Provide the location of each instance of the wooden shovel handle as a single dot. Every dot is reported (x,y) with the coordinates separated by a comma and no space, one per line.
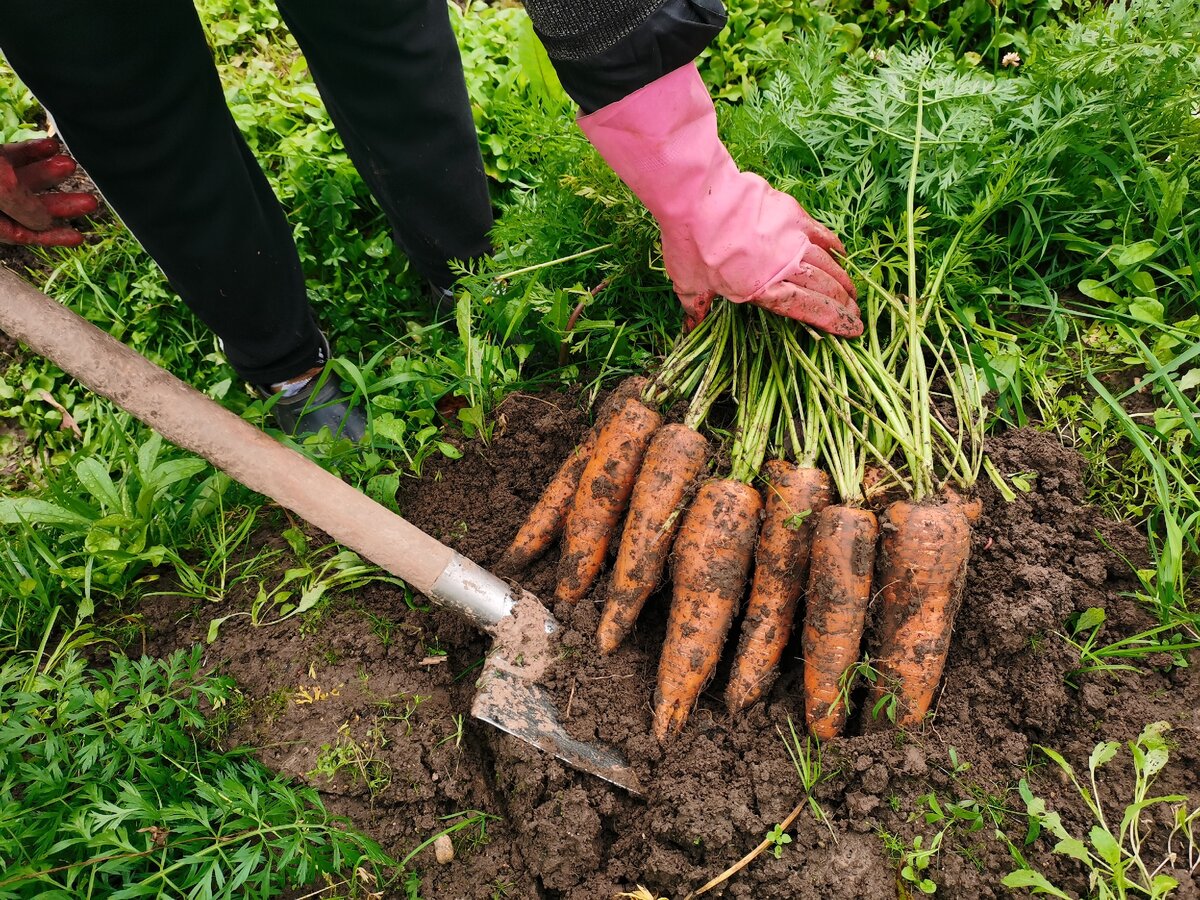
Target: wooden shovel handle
(192,421)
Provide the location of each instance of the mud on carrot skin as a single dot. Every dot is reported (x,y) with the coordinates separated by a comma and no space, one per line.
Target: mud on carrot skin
(711,561)
(603,494)
(676,457)
(795,497)
(921,572)
(839,590)
(715,547)
(674,460)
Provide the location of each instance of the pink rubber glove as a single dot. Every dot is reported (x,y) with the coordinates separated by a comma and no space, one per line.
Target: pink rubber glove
(723,231)
(27,213)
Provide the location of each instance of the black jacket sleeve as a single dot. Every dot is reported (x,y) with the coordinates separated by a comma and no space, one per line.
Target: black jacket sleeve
(603,54)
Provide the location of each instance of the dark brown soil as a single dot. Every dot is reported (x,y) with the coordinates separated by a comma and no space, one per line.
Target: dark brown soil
(714,793)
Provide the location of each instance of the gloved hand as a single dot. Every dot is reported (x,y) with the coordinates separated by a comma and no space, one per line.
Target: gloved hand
(26,170)
(723,231)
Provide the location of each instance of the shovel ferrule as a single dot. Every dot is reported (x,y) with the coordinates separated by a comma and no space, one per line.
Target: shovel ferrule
(473,592)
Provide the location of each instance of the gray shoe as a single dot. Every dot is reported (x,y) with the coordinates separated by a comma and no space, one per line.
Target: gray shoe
(318,404)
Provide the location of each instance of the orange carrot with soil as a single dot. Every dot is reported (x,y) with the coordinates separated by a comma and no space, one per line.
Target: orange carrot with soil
(602,496)
(926,545)
(676,457)
(544,523)
(712,558)
(839,589)
(795,496)
(840,564)
(922,570)
(673,462)
(796,493)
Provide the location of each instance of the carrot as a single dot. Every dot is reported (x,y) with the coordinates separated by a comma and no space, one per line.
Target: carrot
(603,494)
(839,588)
(712,559)
(675,458)
(795,496)
(922,570)
(545,521)
(972,508)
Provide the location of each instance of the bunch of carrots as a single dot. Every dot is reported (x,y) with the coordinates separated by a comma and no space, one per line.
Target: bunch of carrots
(861,499)
(798,524)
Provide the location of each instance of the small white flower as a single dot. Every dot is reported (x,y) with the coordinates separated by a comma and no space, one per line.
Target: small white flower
(1011,60)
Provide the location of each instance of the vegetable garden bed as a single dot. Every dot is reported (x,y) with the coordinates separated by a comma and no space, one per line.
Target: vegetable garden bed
(370,704)
(1051,213)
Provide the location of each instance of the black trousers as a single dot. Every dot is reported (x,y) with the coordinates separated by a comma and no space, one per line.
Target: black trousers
(135,95)
(133,90)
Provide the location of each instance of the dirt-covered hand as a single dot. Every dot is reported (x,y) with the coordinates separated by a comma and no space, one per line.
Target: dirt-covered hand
(724,232)
(27,214)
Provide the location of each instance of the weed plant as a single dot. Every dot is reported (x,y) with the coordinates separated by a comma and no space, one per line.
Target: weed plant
(1129,856)
(107,789)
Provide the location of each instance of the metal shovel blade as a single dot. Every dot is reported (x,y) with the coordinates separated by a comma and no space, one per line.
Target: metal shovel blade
(519,706)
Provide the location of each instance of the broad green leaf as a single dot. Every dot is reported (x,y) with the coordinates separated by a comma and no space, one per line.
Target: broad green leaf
(1089,618)
(94,477)
(1106,845)
(345,559)
(37,512)
(1136,253)
(296,540)
(1148,310)
(310,597)
(1153,734)
(1074,848)
(1167,420)
(148,455)
(1102,753)
(173,470)
(215,625)
(389,428)
(1144,282)
(1162,884)
(536,66)
(382,489)
(100,541)
(1035,881)
(1156,759)
(1097,291)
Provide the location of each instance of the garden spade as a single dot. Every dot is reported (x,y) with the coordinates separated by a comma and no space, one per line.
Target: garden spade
(509,695)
